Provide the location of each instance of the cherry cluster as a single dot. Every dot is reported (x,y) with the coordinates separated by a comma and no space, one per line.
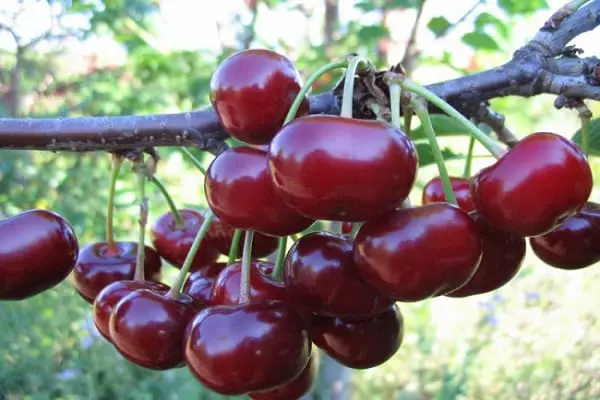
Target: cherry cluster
(249,325)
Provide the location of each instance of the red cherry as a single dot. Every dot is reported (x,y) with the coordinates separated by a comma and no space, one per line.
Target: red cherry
(360,344)
(240,191)
(247,347)
(200,283)
(99,265)
(148,328)
(39,250)
(347,228)
(433,192)
(416,253)
(220,235)
(333,168)
(296,388)
(173,241)
(534,187)
(573,245)
(320,274)
(252,91)
(503,254)
(110,296)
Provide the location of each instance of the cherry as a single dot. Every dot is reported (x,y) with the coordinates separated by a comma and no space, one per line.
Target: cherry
(334,168)
(320,274)
(247,347)
(360,344)
(38,250)
(415,253)
(433,192)
(252,91)
(200,283)
(503,254)
(534,187)
(110,296)
(99,265)
(347,228)
(296,388)
(173,241)
(240,191)
(220,235)
(148,328)
(575,244)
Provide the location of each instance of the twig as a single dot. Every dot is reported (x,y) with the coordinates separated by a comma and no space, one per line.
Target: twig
(495,121)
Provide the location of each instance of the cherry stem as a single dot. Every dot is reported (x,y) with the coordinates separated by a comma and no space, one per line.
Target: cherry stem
(169,199)
(395,93)
(423,114)
(294,237)
(117,161)
(175,290)
(143,220)
(278,270)
(235,245)
(246,267)
(193,159)
(348,94)
(408,114)
(585,132)
(355,229)
(469,159)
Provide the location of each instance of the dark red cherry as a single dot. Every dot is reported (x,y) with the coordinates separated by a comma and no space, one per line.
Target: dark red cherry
(573,245)
(296,388)
(320,274)
(433,192)
(360,344)
(415,253)
(347,228)
(252,91)
(221,235)
(334,168)
(38,250)
(200,283)
(247,347)
(148,328)
(99,265)
(240,191)
(110,296)
(503,254)
(533,188)
(173,241)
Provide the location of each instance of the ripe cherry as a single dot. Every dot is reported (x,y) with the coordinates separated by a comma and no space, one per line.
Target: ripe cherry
(252,91)
(415,253)
(334,168)
(200,283)
(503,254)
(240,191)
(360,344)
(39,250)
(100,264)
(220,235)
(320,274)
(533,188)
(148,328)
(247,347)
(173,241)
(433,192)
(347,227)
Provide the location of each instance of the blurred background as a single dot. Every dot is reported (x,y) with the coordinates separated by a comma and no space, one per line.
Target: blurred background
(536,338)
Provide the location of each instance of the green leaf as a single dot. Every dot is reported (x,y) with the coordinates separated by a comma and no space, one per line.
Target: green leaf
(486,19)
(426,154)
(480,40)
(513,7)
(594,137)
(371,33)
(438,25)
(443,125)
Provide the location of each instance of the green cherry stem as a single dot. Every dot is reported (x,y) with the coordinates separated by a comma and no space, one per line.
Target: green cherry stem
(348,94)
(355,229)
(117,161)
(235,245)
(395,93)
(163,190)
(278,269)
(423,114)
(246,267)
(175,290)
(585,116)
(193,159)
(143,220)
(469,159)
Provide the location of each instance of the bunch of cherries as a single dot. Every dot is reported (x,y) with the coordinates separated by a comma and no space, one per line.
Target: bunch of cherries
(248,326)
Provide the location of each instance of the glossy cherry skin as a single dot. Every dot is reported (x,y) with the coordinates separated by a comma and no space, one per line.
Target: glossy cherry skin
(415,253)
(38,250)
(99,265)
(200,283)
(334,168)
(252,91)
(109,297)
(173,241)
(247,347)
(148,328)
(573,245)
(433,192)
(296,388)
(503,254)
(319,272)
(360,344)
(240,191)
(533,188)
(220,235)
